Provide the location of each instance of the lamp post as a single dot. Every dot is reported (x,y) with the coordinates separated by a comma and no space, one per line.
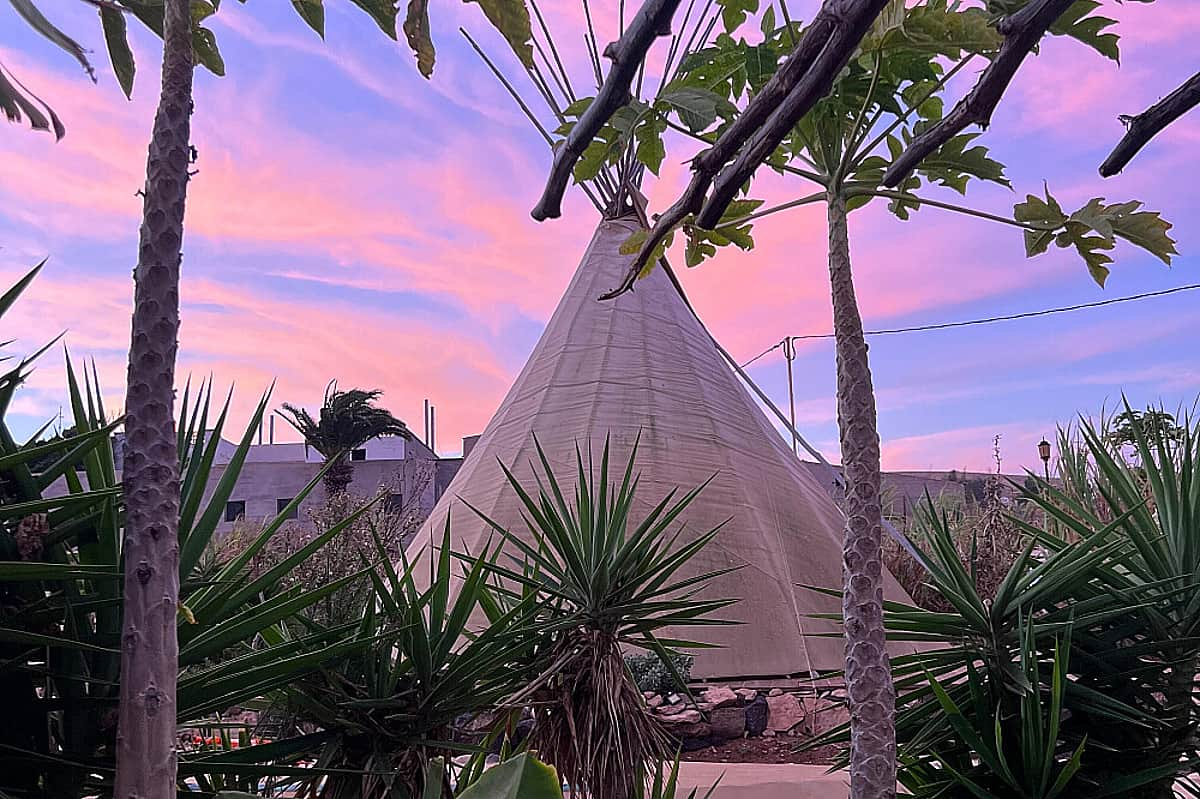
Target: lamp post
(1044,454)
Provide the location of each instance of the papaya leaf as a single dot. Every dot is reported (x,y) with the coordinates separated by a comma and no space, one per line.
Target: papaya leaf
(313,14)
(511,19)
(650,149)
(416,30)
(383,12)
(36,20)
(735,12)
(116,38)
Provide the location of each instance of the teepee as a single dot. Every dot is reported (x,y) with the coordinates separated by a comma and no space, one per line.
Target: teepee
(643,365)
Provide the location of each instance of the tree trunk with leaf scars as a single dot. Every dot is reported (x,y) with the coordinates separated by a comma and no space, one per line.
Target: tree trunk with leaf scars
(869,684)
(146,734)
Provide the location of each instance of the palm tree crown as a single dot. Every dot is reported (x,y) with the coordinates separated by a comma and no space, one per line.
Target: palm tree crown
(347,420)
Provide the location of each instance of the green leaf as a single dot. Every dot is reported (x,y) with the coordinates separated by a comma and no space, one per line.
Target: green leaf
(1145,229)
(576,109)
(1042,212)
(634,243)
(954,165)
(36,20)
(767,23)
(698,108)
(313,14)
(204,45)
(592,161)
(650,149)
(1093,230)
(520,777)
(1089,30)
(511,19)
(116,37)
(734,12)
(698,249)
(383,12)
(761,63)
(416,30)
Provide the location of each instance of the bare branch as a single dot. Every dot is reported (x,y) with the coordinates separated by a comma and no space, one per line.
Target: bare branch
(843,25)
(815,52)
(1022,31)
(627,53)
(1148,124)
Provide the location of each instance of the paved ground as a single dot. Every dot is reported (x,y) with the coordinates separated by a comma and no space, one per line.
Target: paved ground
(762,781)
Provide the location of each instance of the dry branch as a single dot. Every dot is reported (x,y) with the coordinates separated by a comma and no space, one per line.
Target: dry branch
(1148,124)
(1022,31)
(627,54)
(847,23)
(830,30)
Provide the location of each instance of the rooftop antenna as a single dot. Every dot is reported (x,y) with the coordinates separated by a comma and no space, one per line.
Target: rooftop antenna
(272,438)
(426,439)
(432,432)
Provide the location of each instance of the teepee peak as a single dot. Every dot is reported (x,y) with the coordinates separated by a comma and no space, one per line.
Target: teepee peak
(643,365)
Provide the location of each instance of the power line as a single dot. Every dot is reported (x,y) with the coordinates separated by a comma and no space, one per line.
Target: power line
(986,320)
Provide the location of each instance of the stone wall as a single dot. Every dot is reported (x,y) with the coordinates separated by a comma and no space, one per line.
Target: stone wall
(721,713)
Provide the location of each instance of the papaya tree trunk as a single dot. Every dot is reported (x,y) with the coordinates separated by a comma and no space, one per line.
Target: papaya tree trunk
(872,695)
(146,732)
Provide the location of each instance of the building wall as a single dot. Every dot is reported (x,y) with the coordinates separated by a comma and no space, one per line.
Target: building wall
(263,484)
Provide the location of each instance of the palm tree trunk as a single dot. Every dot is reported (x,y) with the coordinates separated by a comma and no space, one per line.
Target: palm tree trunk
(146,733)
(338,477)
(868,672)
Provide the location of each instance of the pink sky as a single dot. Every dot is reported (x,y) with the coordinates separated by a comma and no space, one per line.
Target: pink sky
(352,221)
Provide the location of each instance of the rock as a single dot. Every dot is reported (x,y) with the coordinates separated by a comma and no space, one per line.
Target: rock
(653,701)
(482,722)
(648,695)
(824,715)
(698,729)
(768,733)
(775,692)
(691,743)
(719,696)
(682,717)
(756,716)
(746,694)
(784,712)
(728,722)
(704,707)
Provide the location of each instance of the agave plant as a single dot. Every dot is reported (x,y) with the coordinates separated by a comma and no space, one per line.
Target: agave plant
(61,568)
(602,582)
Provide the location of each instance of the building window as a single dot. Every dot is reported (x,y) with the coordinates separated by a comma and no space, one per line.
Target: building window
(394,503)
(235,510)
(358,454)
(281,506)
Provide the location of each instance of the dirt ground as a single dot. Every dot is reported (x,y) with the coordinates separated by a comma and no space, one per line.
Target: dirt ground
(762,750)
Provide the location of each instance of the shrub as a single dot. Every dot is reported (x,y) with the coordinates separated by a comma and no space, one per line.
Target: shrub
(651,674)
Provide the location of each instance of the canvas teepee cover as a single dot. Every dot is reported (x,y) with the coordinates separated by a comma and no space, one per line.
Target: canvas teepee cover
(644,364)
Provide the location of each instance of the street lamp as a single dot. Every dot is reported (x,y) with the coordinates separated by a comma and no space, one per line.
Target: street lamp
(1044,454)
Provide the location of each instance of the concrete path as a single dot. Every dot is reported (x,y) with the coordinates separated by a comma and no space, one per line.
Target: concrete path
(761,781)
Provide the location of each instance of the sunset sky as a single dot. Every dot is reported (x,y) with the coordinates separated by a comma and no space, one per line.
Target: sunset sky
(351,220)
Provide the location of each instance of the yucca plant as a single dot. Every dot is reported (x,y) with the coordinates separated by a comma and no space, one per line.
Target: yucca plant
(61,567)
(1111,578)
(1154,657)
(602,581)
(989,765)
(387,711)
